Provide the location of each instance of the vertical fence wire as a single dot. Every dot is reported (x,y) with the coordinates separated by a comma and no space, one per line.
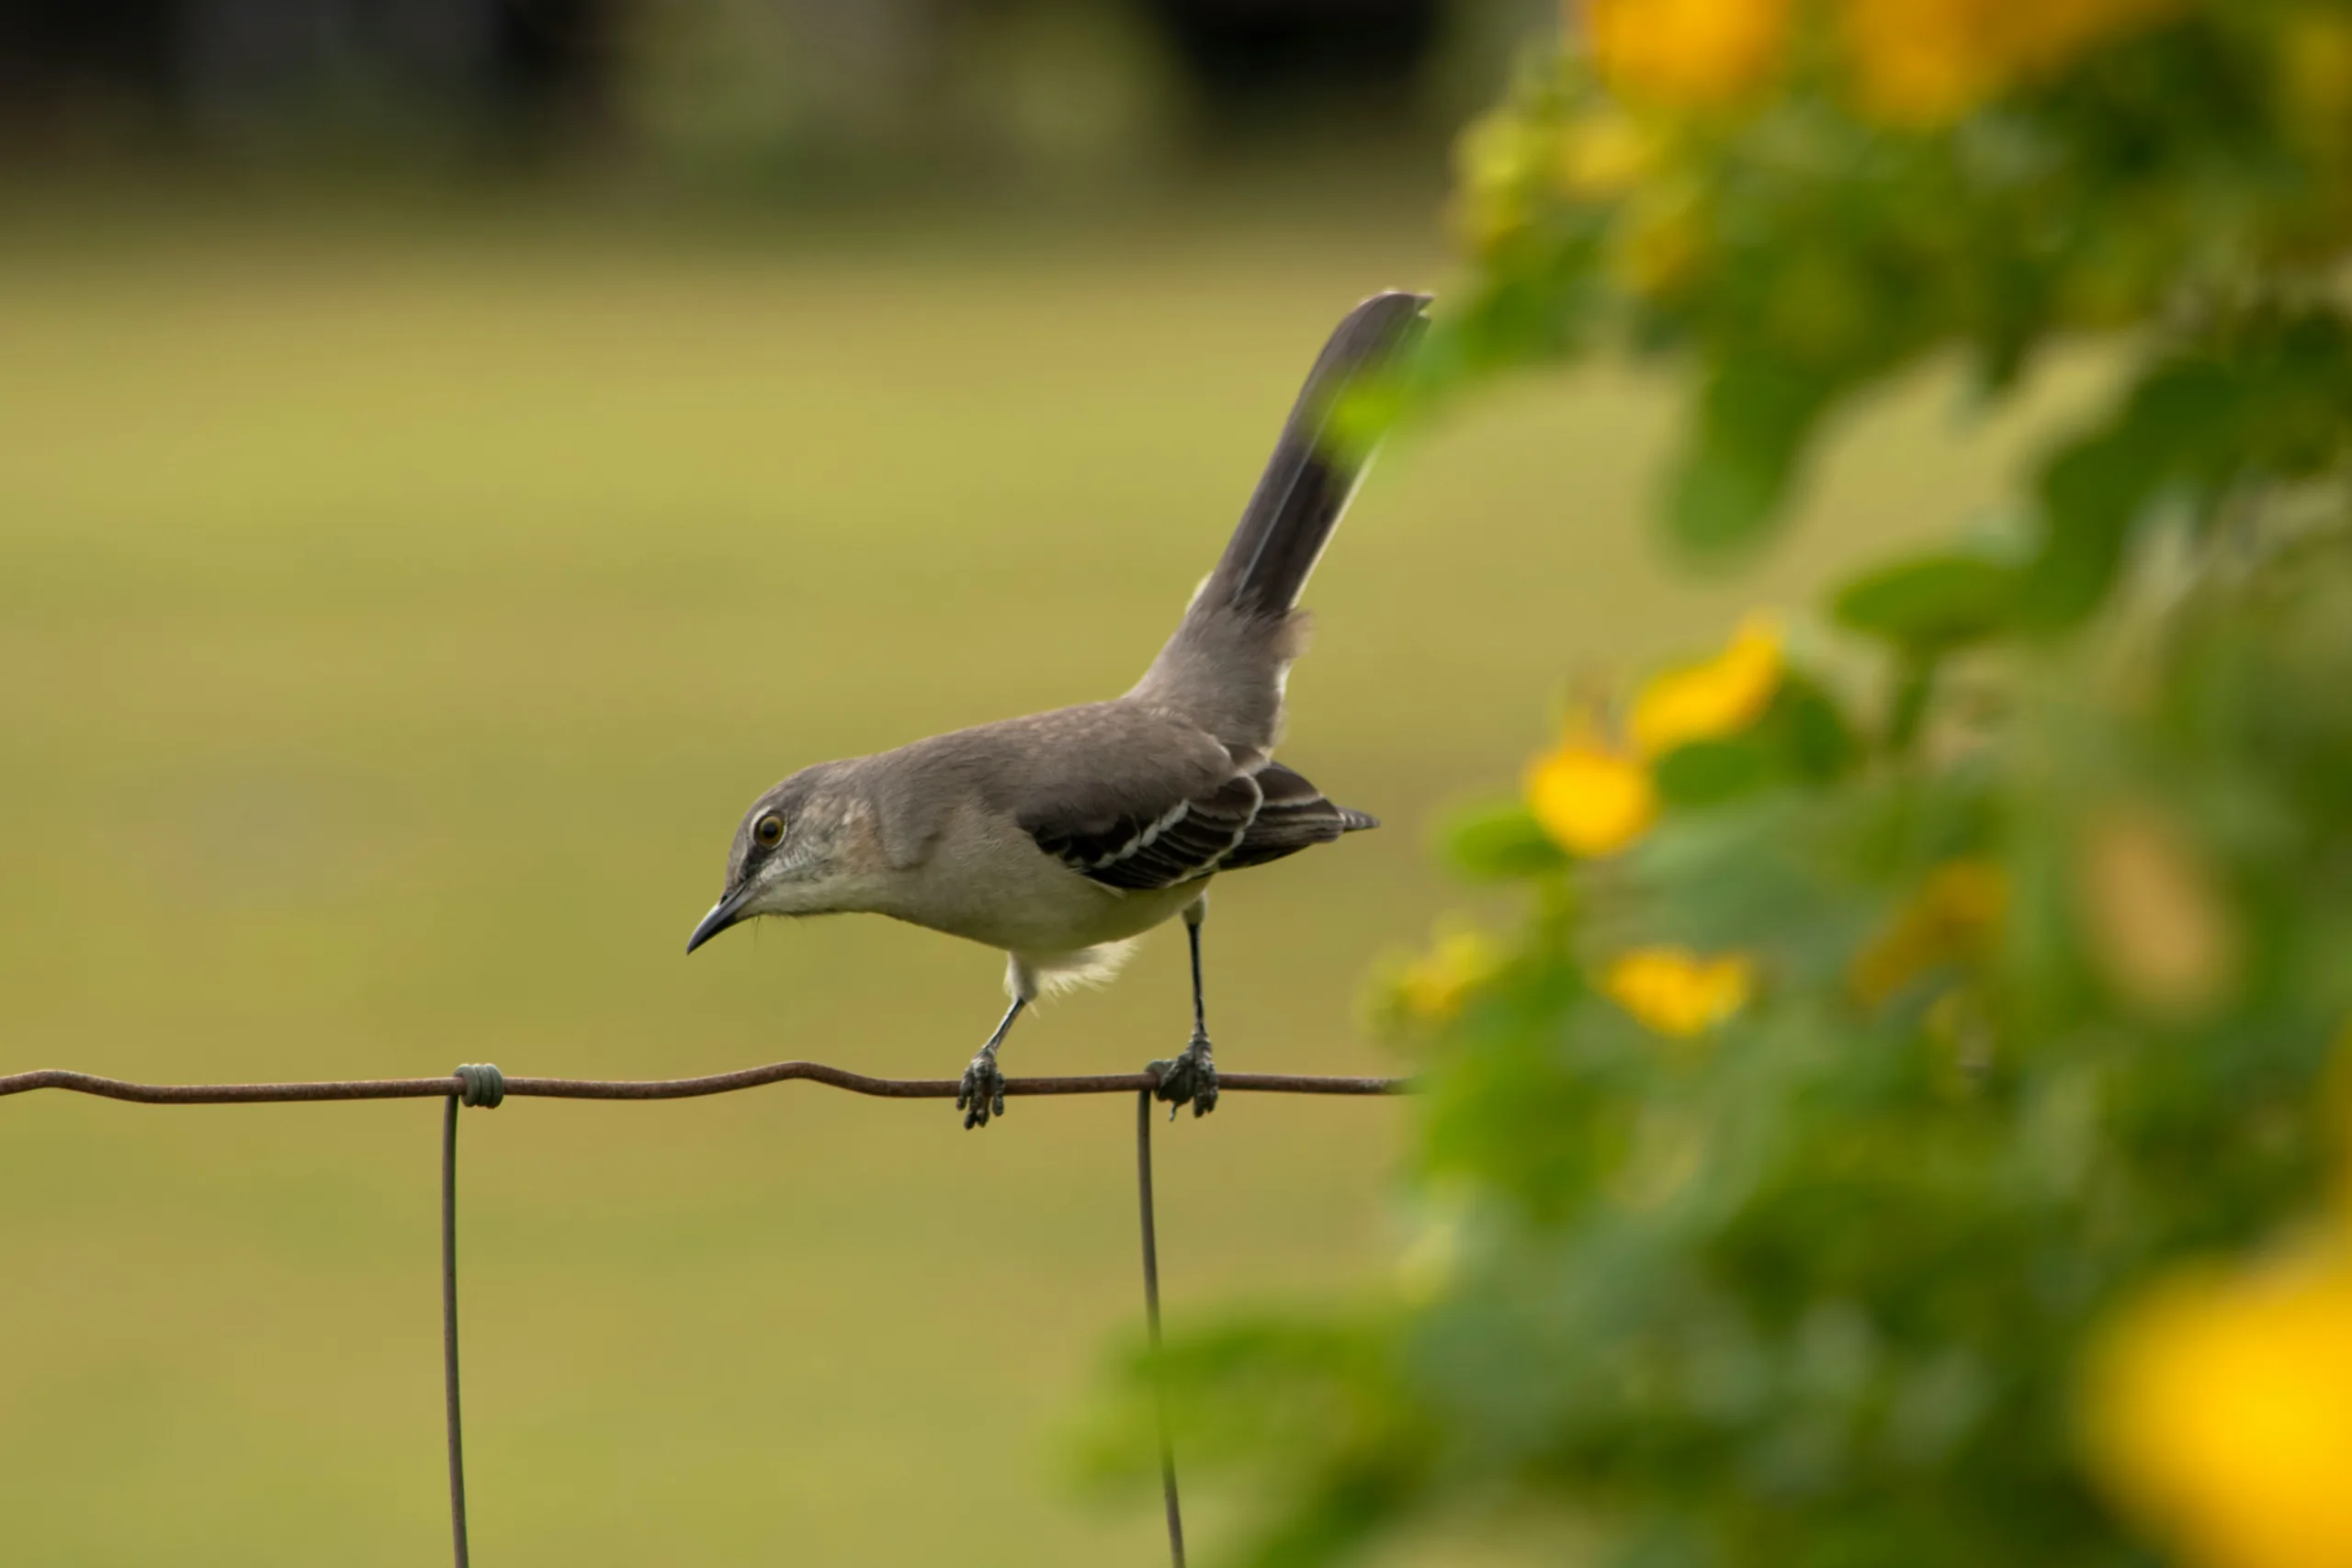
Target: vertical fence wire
(483,1085)
(1151,1323)
(449,1329)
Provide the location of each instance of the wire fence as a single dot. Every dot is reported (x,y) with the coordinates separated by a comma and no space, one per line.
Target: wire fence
(483,1085)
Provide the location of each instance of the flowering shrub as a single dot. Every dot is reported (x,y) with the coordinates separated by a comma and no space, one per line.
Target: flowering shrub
(1901,1131)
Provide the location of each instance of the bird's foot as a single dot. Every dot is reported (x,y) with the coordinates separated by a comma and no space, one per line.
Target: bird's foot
(1191,1076)
(981,1094)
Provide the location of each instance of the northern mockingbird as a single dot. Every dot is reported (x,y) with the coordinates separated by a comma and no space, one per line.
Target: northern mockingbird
(1062,837)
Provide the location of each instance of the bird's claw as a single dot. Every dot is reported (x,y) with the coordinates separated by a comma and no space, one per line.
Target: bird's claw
(981,1094)
(1190,1077)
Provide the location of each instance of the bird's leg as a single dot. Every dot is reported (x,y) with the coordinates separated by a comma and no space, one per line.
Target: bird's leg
(1193,1076)
(981,1094)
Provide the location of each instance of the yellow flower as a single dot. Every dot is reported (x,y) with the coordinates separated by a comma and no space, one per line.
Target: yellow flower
(2314,53)
(1433,986)
(1696,53)
(1920,63)
(2044,37)
(1673,991)
(1927,62)
(1654,244)
(1492,159)
(1604,153)
(1722,697)
(1952,917)
(2220,1412)
(1592,799)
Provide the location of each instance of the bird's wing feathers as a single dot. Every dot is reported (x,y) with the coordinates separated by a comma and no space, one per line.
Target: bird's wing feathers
(1144,834)
(1137,847)
(1291,815)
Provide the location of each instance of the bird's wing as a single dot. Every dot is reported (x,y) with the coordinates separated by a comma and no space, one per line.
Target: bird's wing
(1291,815)
(1128,834)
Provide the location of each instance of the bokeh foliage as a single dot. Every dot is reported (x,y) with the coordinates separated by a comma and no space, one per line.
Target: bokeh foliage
(1900,1130)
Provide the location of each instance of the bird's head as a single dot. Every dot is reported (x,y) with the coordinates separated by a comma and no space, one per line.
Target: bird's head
(807,847)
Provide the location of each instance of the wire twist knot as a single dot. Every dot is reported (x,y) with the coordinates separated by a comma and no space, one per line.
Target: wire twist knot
(482,1084)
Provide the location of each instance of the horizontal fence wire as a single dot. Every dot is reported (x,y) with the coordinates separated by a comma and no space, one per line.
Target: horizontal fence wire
(486,1086)
(658,1088)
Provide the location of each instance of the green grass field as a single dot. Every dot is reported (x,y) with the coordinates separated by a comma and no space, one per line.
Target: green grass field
(393,623)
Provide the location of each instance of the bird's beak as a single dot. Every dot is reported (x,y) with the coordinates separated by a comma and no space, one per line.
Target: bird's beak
(726,912)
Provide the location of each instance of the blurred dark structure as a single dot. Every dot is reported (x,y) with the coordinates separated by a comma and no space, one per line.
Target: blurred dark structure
(183,66)
(209,75)
(1246,52)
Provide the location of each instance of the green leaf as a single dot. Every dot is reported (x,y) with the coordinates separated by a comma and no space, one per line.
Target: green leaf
(2090,494)
(1929,605)
(2094,489)
(1500,843)
(1708,772)
(1731,486)
(1802,737)
(1808,731)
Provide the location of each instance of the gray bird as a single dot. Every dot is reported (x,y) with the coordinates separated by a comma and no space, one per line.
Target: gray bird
(1062,837)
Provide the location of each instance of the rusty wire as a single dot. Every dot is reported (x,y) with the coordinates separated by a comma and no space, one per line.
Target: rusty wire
(656,1089)
(1151,1324)
(449,1332)
(484,1086)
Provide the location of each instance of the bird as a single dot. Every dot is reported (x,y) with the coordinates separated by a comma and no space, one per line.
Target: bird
(1062,837)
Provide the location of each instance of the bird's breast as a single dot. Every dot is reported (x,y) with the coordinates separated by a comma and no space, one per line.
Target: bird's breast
(1001,889)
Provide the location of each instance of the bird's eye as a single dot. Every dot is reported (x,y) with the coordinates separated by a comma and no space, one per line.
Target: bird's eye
(768,831)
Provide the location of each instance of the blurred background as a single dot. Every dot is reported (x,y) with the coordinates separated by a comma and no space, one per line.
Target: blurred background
(457,453)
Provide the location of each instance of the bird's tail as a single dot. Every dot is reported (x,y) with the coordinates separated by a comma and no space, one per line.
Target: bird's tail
(1225,664)
(1315,465)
